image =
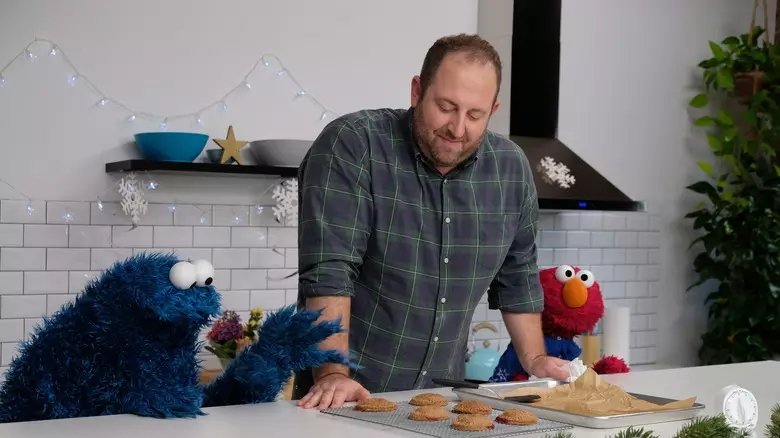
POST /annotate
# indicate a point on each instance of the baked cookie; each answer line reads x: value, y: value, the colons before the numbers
x: 472, y: 407
x: 375, y: 405
x: 517, y: 417
x: 429, y: 413
x: 472, y: 422
x: 429, y: 399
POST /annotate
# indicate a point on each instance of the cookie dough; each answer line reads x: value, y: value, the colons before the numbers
x: 375, y: 405
x: 429, y: 399
x: 429, y: 413
x: 472, y: 423
x: 517, y: 417
x: 472, y: 407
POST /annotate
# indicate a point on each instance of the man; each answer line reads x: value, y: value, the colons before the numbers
x: 406, y: 218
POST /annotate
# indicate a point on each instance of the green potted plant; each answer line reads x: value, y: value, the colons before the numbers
x: 739, y: 218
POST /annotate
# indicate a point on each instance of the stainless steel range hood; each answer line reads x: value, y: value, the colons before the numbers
x: 531, y: 30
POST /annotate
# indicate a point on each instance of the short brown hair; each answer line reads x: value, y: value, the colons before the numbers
x: 475, y: 47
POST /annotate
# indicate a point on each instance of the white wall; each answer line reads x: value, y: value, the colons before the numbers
x: 628, y: 70
x: 624, y: 88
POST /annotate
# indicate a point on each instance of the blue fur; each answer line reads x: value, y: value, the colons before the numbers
x: 129, y: 342
x: 509, y: 365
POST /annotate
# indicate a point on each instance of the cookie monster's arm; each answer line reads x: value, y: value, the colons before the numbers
x: 287, y: 342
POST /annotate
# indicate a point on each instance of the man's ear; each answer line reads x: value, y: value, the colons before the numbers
x: 416, y: 91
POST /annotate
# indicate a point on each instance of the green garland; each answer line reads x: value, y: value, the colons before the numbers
x: 701, y: 427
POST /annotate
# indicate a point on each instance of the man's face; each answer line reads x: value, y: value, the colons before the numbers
x: 452, y: 117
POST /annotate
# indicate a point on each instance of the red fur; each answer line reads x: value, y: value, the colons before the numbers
x: 560, y: 320
x: 611, y: 365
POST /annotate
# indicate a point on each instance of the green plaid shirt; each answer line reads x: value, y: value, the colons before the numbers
x: 415, y: 250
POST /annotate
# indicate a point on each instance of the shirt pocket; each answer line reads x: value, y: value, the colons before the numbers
x: 496, y: 234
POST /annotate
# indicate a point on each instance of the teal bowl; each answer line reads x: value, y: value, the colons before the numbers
x: 171, y: 146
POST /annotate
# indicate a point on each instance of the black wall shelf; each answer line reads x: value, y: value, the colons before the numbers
x: 201, y: 168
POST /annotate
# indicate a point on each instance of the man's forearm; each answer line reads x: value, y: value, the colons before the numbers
x: 525, y: 330
x: 334, y: 307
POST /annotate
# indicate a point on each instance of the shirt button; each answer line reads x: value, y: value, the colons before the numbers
x: 446, y: 260
x: 443, y: 300
x: 447, y: 220
x: 424, y: 372
x: 436, y: 339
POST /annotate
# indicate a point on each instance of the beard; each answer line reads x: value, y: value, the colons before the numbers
x: 435, y: 143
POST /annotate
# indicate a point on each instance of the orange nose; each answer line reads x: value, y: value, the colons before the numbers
x: 575, y: 294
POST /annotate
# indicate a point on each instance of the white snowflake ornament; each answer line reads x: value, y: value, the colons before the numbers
x: 555, y: 173
x: 286, y: 196
x: 133, y: 202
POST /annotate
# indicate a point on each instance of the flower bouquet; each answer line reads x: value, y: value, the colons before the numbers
x: 228, y: 336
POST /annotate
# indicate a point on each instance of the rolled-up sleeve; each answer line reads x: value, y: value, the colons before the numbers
x: 335, y: 209
x: 516, y: 288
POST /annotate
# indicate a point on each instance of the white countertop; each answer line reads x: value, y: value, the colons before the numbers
x: 286, y: 419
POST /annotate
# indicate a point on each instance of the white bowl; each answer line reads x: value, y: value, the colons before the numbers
x: 282, y: 152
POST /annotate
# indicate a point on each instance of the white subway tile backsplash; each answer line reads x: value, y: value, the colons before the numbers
x: 45, y: 282
x: 13, y: 211
x: 264, y: 258
x: 283, y: 237
x: 48, y: 256
x: 173, y: 236
x: 11, y: 330
x: 11, y: 235
x: 211, y: 237
x: 22, y: 306
x: 44, y: 236
x: 249, y: 237
x: 68, y: 213
x: 8, y: 353
x: 11, y: 283
x: 89, y: 236
x: 22, y: 259
x: 128, y: 237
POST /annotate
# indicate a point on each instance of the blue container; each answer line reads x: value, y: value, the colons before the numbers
x: 171, y: 146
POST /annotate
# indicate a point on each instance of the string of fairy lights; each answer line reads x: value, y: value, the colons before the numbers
x: 267, y: 62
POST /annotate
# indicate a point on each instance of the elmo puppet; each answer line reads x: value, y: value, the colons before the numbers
x: 572, y: 306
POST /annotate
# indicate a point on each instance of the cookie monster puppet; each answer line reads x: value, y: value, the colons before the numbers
x: 128, y: 345
x: 572, y: 306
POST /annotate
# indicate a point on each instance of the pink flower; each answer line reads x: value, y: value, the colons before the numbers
x: 226, y: 328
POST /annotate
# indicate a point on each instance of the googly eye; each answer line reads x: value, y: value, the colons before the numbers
x: 586, y: 277
x: 204, y: 272
x: 183, y: 275
x: 564, y: 273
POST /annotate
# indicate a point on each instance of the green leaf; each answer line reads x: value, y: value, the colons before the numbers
x: 727, y: 195
x: 706, y: 167
x: 725, y: 118
x: 777, y: 169
x: 717, y: 51
x: 751, y: 118
x: 730, y: 40
x: 714, y: 142
x: 724, y: 79
x: 705, y: 121
x: 699, y: 101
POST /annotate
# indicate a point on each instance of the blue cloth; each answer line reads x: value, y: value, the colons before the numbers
x: 509, y: 364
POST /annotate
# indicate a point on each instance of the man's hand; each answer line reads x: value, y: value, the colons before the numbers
x: 332, y: 391
x: 548, y: 366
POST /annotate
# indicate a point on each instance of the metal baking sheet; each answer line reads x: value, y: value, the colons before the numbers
x: 442, y: 429
x: 487, y: 390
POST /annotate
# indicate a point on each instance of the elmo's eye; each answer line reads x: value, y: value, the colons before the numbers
x: 204, y: 272
x: 586, y: 277
x: 564, y: 273
x: 183, y: 275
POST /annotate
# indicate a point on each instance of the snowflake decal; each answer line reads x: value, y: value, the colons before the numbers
x: 133, y: 202
x: 555, y: 173
x: 286, y: 196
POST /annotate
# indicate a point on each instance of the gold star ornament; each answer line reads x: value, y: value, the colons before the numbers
x: 231, y: 148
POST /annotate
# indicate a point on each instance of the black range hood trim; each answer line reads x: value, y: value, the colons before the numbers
x: 534, y: 106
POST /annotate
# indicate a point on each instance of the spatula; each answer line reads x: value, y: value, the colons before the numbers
x: 471, y: 385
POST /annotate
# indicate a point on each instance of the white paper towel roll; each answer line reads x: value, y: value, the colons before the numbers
x: 616, y: 332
